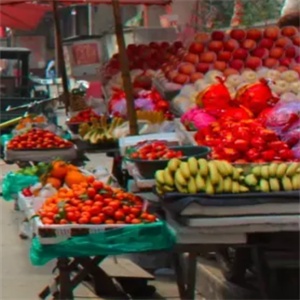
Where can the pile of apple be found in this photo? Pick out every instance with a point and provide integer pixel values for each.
(143, 57)
(272, 47)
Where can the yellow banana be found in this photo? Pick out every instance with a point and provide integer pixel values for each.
(184, 169)
(203, 166)
(193, 165)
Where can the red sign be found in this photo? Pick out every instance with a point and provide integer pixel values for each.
(85, 54)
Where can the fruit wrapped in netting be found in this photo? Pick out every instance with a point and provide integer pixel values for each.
(285, 121)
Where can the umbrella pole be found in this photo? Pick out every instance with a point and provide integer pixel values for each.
(125, 69)
(60, 57)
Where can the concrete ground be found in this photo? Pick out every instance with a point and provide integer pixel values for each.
(22, 281)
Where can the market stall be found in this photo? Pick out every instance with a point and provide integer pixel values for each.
(223, 177)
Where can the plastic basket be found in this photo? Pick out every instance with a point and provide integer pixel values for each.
(147, 168)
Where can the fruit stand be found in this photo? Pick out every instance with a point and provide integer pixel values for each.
(222, 177)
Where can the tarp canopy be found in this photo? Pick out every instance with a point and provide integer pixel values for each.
(24, 16)
(74, 2)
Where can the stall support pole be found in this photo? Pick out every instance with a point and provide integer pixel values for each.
(60, 58)
(125, 69)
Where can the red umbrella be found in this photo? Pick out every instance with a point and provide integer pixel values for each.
(22, 16)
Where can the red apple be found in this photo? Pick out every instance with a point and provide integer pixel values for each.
(254, 34)
(196, 48)
(260, 52)
(202, 37)
(240, 53)
(283, 42)
(276, 52)
(231, 45)
(253, 62)
(178, 44)
(187, 68)
(286, 62)
(271, 32)
(224, 55)
(191, 58)
(248, 44)
(196, 76)
(291, 52)
(202, 67)
(215, 46)
(230, 71)
(289, 31)
(181, 79)
(296, 68)
(181, 53)
(220, 65)
(238, 34)
(296, 40)
(236, 64)
(218, 35)
(271, 63)
(281, 69)
(266, 43)
(171, 75)
(208, 57)
(163, 45)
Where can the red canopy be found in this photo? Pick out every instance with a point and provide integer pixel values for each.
(22, 16)
(69, 2)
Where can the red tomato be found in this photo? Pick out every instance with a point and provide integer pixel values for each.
(268, 155)
(95, 210)
(109, 221)
(241, 145)
(98, 198)
(91, 192)
(258, 143)
(71, 216)
(119, 215)
(278, 145)
(98, 185)
(63, 222)
(286, 154)
(136, 221)
(115, 204)
(96, 220)
(83, 220)
(135, 211)
(108, 210)
(252, 154)
(151, 218)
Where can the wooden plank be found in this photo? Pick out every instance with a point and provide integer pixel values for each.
(124, 267)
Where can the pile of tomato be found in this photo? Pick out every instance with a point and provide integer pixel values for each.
(38, 139)
(86, 115)
(155, 151)
(243, 142)
(93, 202)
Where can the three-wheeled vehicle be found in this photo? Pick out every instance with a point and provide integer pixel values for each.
(16, 89)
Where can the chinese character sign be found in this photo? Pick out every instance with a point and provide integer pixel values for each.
(85, 54)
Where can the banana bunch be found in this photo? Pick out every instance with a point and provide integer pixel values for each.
(151, 116)
(196, 176)
(274, 177)
(100, 131)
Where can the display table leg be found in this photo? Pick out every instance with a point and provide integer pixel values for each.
(65, 290)
(186, 284)
(262, 272)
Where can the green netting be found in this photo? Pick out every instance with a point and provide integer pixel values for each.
(13, 183)
(131, 239)
(5, 138)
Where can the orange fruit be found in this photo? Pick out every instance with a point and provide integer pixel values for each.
(59, 169)
(74, 177)
(56, 183)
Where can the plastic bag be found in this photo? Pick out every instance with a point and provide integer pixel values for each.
(283, 117)
(128, 239)
(296, 150)
(292, 137)
(6, 138)
(14, 183)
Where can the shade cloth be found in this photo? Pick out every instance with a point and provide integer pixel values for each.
(22, 16)
(122, 2)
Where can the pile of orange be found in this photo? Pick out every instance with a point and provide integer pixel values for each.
(64, 173)
(26, 120)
